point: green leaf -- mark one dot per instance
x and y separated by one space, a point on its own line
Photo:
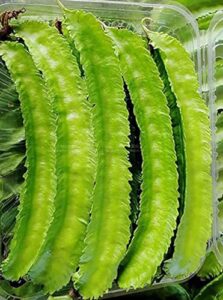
211 267
11 129
196 5
9 161
8 218
11 184
66 297
169 292
26 291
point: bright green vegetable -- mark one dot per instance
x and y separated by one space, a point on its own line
191 237
40 185
108 232
177 129
75 154
159 199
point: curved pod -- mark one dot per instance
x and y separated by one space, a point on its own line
178 133
109 229
37 197
192 236
159 198
74 154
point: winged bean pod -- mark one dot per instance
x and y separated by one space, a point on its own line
74 154
177 128
109 229
192 236
37 198
159 198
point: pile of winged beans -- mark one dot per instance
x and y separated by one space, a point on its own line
93 208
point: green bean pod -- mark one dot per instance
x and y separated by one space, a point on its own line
74 154
192 236
159 198
178 133
37 197
109 229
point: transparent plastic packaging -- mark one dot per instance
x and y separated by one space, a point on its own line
165 17
215 85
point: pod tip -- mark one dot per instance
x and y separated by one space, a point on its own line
146 23
60 4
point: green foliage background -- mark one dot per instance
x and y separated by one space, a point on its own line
196 5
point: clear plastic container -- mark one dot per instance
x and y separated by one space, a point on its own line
166 17
215 85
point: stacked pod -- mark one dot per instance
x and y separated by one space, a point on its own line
85 91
